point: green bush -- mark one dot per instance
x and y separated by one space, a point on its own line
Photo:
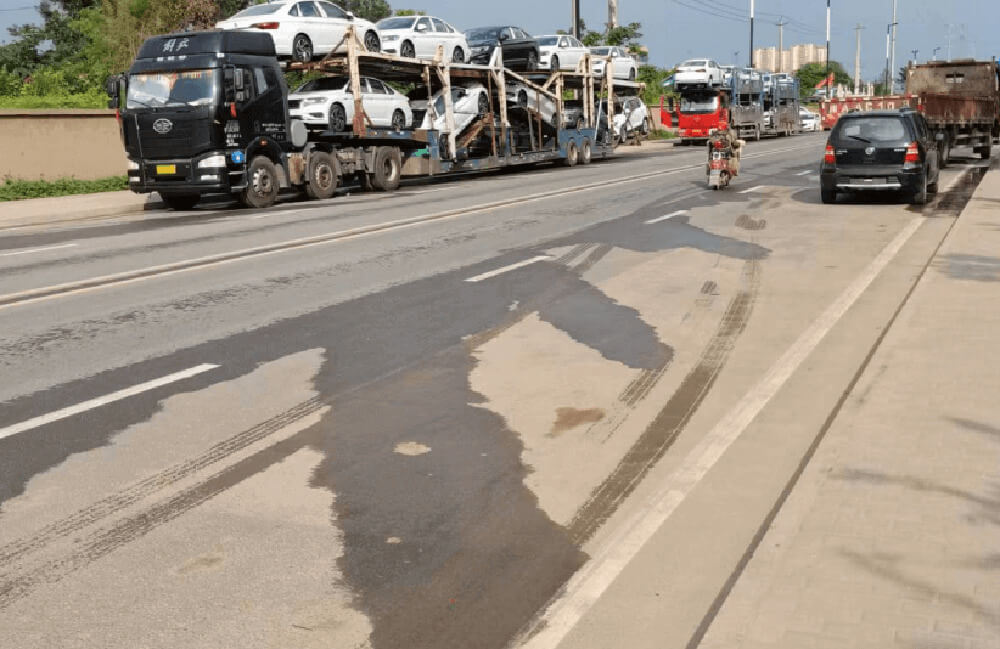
14 190
10 83
92 99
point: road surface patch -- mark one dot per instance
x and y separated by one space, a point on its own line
412 449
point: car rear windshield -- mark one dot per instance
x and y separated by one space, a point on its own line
326 83
396 23
548 41
259 10
870 129
693 64
600 51
487 34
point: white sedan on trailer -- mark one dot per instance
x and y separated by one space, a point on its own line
329 104
418 37
303 29
698 73
560 51
623 64
468 105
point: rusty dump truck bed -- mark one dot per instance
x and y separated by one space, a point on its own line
956 93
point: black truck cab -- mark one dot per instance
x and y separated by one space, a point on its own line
204 113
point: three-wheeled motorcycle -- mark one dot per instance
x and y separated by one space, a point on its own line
723 159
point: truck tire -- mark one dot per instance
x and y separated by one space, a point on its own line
945 151
572 155
179 202
262 183
388 169
987 149
323 178
586 153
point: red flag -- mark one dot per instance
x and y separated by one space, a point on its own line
825 82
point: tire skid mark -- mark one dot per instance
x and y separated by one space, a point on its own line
673 417
141 490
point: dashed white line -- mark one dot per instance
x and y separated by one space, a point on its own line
666 217
28 251
590 583
752 189
804 173
42 420
507 269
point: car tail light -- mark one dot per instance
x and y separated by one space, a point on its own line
912 153
265 25
830 157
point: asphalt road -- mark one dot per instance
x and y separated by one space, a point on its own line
429 418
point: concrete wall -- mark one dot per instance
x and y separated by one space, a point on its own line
51 144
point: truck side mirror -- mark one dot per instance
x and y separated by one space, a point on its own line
239 82
112 86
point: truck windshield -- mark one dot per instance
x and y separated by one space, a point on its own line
158 89
699 104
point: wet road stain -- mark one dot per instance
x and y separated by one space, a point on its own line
978 268
710 288
569 418
673 417
746 222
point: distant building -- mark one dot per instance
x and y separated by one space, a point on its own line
767 58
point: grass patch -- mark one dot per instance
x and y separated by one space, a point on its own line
42 102
661 135
16 190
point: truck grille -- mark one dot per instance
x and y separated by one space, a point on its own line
186 138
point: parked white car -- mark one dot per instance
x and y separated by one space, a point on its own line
303 29
418 37
698 73
559 52
809 120
329 104
625 67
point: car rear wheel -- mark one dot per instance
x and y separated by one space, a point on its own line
919 196
828 196
458 56
302 48
407 51
337 120
372 42
398 120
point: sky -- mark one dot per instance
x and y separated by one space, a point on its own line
678 29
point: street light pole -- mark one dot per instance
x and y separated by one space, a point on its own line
888 31
829 86
892 59
576 19
751 33
934 54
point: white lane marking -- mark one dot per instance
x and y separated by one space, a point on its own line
804 173
666 217
42 420
28 251
165 270
587 586
752 189
507 269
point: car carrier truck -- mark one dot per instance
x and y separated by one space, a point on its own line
206 113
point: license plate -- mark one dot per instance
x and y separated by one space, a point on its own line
166 170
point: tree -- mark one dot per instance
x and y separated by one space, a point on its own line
373 10
810 74
410 12
625 35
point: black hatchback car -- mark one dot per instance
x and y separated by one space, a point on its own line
881 151
520 51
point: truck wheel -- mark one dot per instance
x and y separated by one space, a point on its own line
181 201
828 196
572 155
987 149
388 168
323 178
945 151
302 49
262 184
586 153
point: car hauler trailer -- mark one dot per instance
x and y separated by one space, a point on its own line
781 105
701 112
206 113
960 101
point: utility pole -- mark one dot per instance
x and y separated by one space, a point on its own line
829 86
934 53
892 57
781 43
612 14
576 19
888 31
857 60
751 33
914 55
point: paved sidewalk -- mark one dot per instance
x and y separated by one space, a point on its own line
891 538
71 208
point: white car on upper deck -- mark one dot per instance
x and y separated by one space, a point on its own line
418 37
303 29
624 65
698 73
559 51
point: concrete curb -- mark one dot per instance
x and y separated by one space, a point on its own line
61 209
